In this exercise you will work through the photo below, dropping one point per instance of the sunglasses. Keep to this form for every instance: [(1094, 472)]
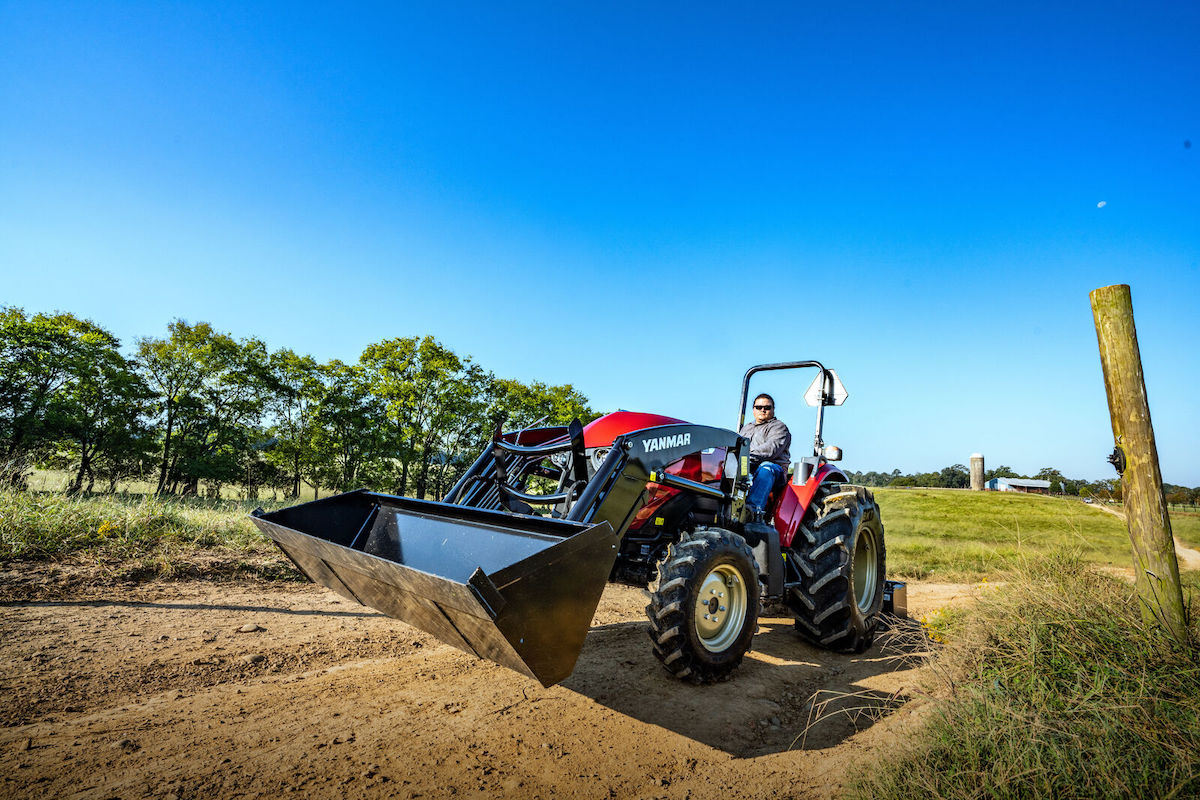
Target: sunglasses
[(763, 408)]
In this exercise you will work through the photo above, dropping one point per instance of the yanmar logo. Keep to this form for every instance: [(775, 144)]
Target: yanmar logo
[(663, 442)]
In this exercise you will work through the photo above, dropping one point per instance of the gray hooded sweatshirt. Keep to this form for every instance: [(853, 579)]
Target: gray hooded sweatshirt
[(769, 441)]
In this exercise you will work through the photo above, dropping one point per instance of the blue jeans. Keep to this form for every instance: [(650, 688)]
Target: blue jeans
[(765, 477)]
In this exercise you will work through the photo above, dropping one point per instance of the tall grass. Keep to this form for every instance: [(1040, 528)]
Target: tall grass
[(162, 533), (1053, 687)]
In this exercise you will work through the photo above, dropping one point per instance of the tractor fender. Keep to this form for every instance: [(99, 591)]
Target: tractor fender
[(796, 499)]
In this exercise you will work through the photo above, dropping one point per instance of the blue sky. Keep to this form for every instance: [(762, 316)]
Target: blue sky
[(639, 199)]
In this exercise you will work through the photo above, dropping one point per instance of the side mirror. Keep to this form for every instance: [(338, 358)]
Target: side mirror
[(833, 393)]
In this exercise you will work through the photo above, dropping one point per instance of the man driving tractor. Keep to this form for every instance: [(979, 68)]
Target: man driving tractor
[(770, 454)]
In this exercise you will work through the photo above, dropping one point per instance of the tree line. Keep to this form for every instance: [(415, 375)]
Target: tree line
[(198, 405), (958, 476)]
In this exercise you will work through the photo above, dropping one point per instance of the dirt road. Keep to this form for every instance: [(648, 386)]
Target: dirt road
[(1188, 558), (198, 689)]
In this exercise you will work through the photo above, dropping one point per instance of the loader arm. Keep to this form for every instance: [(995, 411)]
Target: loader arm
[(618, 490)]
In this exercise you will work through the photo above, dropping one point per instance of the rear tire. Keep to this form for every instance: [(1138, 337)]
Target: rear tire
[(840, 556), (703, 610)]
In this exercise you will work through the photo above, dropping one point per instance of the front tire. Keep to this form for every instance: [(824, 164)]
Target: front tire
[(841, 560), (704, 611)]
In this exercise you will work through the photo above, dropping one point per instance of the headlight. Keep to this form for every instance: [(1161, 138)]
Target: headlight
[(598, 456)]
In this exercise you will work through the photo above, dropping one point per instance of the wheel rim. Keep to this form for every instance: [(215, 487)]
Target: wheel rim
[(720, 608), (866, 557)]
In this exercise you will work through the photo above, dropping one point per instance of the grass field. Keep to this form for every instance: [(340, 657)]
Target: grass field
[(937, 534), (1186, 527), (951, 535)]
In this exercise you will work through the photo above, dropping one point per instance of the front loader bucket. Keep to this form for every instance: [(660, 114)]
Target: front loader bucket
[(517, 590)]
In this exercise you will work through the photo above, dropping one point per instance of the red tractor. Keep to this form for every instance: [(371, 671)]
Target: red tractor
[(510, 565)]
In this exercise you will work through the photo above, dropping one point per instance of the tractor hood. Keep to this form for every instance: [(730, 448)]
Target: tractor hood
[(601, 432)]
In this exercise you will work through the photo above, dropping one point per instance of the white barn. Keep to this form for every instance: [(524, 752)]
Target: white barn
[(1018, 485)]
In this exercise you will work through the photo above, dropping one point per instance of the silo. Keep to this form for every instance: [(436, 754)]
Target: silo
[(977, 472)]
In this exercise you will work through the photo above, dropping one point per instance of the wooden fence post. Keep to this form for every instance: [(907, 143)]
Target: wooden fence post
[(1155, 565)]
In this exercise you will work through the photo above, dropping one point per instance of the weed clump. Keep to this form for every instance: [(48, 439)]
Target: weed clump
[(1053, 687)]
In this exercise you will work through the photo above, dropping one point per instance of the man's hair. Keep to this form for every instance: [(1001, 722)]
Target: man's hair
[(761, 396)]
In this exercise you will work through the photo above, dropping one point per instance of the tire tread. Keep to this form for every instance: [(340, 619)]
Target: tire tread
[(668, 610), (823, 602)]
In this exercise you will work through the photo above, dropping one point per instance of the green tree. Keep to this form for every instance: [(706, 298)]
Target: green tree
[(1000, 472), (228, 442), (211, 395), (954, 477), (1058, 482), (175, 368), (874, 478), (39, 356), (100, 417), (297, 389), (1178, 497), (515, 406), (1108, 489), (391, 368), (459, 431), (347, 437), (432, 399)]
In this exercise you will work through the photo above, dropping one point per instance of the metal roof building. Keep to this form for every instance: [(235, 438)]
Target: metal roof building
[(1018, 485)]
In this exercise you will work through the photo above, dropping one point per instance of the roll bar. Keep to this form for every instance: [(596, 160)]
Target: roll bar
[(818, 443)]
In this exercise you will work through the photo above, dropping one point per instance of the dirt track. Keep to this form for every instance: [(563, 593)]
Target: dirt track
[(156, 691), (1188, 558)]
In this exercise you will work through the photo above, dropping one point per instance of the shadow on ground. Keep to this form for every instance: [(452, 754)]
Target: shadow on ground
[(786, 695), (258, 609)]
